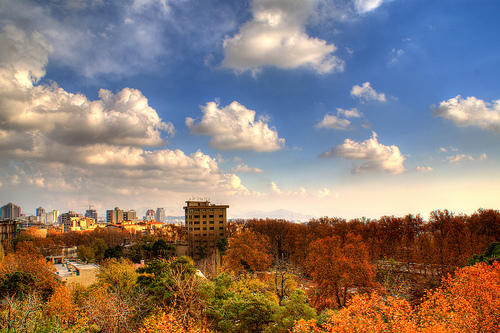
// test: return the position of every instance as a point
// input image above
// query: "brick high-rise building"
(10, 212)
(205, 224)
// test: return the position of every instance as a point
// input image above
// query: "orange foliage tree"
(247, 251)
(169, 323)
(27, 259)
(336, 267)
(467, 302)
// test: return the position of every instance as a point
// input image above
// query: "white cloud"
(234, 128)
(367, 93)
(424, 169)
(352, 113)
(276, 37)
(324, 193)
(243, 168)
(331, 121)
(108, 38)
(335, 122)
(377, 157)
(275, 189)
(463, 157)
(60, 141)
(460, 158)
(365, 6)
(470, 112)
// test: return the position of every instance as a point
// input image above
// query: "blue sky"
(342, 108)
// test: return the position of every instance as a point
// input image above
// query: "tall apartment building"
(10, 212)
(160, 215)
(40, 211)
(92, 213)
(117, 215)
(66, 219)
(205, 224)
(150, 215)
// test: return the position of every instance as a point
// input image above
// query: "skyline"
(318, 107)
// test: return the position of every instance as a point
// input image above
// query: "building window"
(211, 209)
(221, 209)
(196, 229)
(221, 216)
(221, 228)
(197, 216)
(196, 210)
(204, 222)
(190, 210)
(204, 216)
(197, 222)
(211, 228)
(211, 222)
(211, 216)
(204, 228)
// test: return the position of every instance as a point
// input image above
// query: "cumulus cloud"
(333, 122)
(98, 38)
(470, 112)
(336, 122)
(243, 168)
(276, 37)
(277, 191)
(234, 127)
(367, 93)
(365, 6)
(61, 141)
(377, 157)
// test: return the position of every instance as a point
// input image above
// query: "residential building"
(8, 229)
(205, 224)
(131, 215)
(160, 215)
(77, 223)
(74, 272)
(92, 213)
(118, 215)
(10, 211)
(40, 211)
(114, 215)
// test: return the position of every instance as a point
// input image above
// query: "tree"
(293, 309)
(169, 323)
(172, 284)
(490, 255)
(119, 274)
(366, 313)
(337, 267)
(467, 302)
(27, 259)
(247, 251)
(99, 246)
(61, 306)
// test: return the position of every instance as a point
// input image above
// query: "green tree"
(293, 309)
(99, 246)
(491, 254)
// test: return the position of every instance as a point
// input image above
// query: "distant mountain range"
(276, 214)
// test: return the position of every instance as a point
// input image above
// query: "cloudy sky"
(342, 108)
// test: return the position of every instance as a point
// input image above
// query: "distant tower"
(150, 215)
(10, 211)
(40, 211)
(160, 215)
(92, 213)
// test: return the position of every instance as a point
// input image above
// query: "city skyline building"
(10, 211)
(205, 224)
(160, 215)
